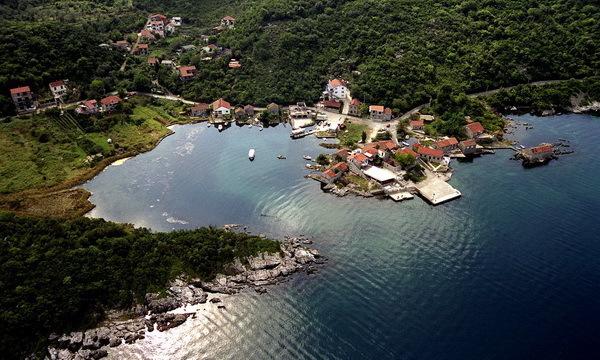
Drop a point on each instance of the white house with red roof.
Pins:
(429, 154)
(187, 72)
(474, 129)
(110, 103)
(221, 108)
(147, 36)
(354, 107)
(446, 145)
(468, 147)
(228, 22)
(58, 89)
(380, 112)
(337, 89)
(141, 49)
(23, 98)
(88, 107)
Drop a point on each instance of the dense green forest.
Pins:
(396, 52)
(61, 275)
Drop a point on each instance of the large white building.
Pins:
(336, 88)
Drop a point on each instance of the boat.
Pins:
(405, 143)
(261, 129)
(281, 157)
(249, 126)
(209, 125)
(220, 128)
(306, 157)
(251, 154)
(522, 147)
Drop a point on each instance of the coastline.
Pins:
(161, 312)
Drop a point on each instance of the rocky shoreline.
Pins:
(156, 312)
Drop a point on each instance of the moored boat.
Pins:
(220, 127)
(251, 154)
(306, 157)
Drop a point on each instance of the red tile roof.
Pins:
(110, 100)
(409, 151)
(343, 153)
(387, 111)
(427, 151)
(476, 127)
(142, 46)
(329, 173)
(341, 166)
(187, 71)
(371, 151)
(57, 83)
(417, 123)
(378, 108)
(388, 144)
(542, 149)
(336, 82)
(22, 89)
(355, 102)
(90, 104)
(331, 104)
(221, 103)
(468, 143)
(360, 158)
(446, 142)
(152, 60)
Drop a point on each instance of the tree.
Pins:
(322, 160)
(363, 136)
(405, 160)
(97, 88)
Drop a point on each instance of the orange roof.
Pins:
(336, 82)
(378, 108)
(359, 157)
(417, 123)
(542, 149)
(221, 103)
(446, 142)
(90, 104)
(229, 18)
(142, 46)
(409, 151)
(387, 111)
(469, 142)
(110, 100)
(152, 60)
(476, 127)
(187, 71)
(329, 173)
(355, 102)
(341, 166)
(22, 89)
(424, 150)
(57, 83)
(331, 104)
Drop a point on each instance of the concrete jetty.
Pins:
(436, 190)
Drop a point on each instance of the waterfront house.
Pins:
(336, 89)
(234, 64)
(249, 110)
(221, 108)
(382, 176)
(228, 22)
(474, 130)
(408, 151)
(538, 153)
(446, 145)
(152, 61)
(360, 160)
(354, 107)
(429, 154)
(468, 147)
(273, 109)
(110, 103)
(141, 49)
(379, 112)
(240, 114)
(58, 89)
(199, 110)
(23, 98)
(187, 72)
(335, 172)
(417, 124)
(330, 105)
(88, 107)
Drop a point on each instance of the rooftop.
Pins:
(22, 89)
(379, 174)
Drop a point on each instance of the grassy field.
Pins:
(352, 135)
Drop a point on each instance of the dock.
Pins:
(400, 196)
(436, 190)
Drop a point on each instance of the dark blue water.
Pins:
(508, 271)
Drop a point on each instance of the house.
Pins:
(199, 110)
(417, 124)
(426, 118)
(158, 18)
(58, 89)
(210, 48)
(468, 147)
(273, 109)
(382, 176)
(22, 97)
(234, 64)
(169, 28)
(221, 108)
(141, 49)
(228, 22)
(354, 107)
(240, 113)
(538, 153)
(337, 89)
(474, 129)
(379, 112)
(169, 63)
(152, 61)
(370, 152)
(187, 72)
(110, 103)
(342, 154)
(122, 45)
(429, 154)
(331, 105)
(357, 162)
(447, 145)
(147, 36)
(249, 110)
(88, 107)
(156, 26)
(408, 151)
(335, 172)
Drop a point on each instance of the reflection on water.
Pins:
(509, 270)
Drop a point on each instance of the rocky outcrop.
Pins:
(154, 314)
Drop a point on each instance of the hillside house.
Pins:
(336, 89)
(158, 18)
(152, 61)
(110, 103)
(141, 49)
(210, 48)
(429, 154)
(228, 22)
(199, 110)
(147, 36)
(156, 26)
(379, 112)
(221, 108)
(122, 45)
(417, 125)
(58, 89)
(88, 107)
(354, 107)
(468, 147)
(273, 109)
(447, 145)
(187, 73)
(23, 98)
(474, 130)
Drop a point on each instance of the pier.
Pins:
(436, 190)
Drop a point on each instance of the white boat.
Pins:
(306, 157)
(209, 125)
(220, 127)
(405, 143)
(251, 154)
(249, 126)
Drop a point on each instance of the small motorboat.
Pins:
(306, 157)
(281, 157)
(261, 129)
(220, 127)
(405, 143)
(249, 126)
(209, 125)
(251, 154)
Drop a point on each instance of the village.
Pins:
(394, 157)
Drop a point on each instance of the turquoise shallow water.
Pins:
(508, 271)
